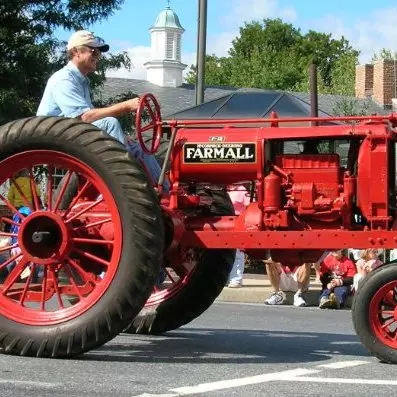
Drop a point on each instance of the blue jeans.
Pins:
(236, 274)
(341, 293)
(112, 126)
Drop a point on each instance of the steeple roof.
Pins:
(167, 19)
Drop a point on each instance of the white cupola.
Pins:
(165, 67)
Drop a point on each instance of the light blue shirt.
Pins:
(66, 94)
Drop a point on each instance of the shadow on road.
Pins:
(217, 346)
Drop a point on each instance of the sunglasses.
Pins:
(94, 51)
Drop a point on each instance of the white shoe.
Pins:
(277, 298)
(298, 300)
(235, 284)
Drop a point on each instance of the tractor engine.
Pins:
(294, 191)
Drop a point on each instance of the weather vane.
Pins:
(168, 3)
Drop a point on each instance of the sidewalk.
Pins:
(256, 288)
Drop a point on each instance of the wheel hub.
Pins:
(44, 237)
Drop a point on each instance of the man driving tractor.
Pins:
(67, 94)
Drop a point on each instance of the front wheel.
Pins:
(374, 313)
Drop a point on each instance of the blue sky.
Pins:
(368, 25)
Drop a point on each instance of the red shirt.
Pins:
(342, 267)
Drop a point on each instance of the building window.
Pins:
(170, 46)
(178, 47)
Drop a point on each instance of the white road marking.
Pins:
(343, 364)
(30, 383)
(250, 380)
(294, 375)
(345, 380)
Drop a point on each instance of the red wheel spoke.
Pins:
(14, 274)
(72, 280)
(9, 221)
(88, 225)
(4, 234)
(389, 299)
(169, 275)
(91, 241)
(388, 323)
(27, 285)
(44, 289)
(93, 257)
(148, 127)
(76, 198)
(33, 189)
(25, 200)
(86, 209)
(62, 192)
(11, 207)
(10, 259)
(55, 281)
(85, 276)
(49, 188)
(386, 312)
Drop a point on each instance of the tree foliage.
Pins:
(275, 55)
(30, 52)
(384, 53)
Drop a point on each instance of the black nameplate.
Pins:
(194, 153)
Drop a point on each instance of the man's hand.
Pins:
(132, 104)
(336, 282)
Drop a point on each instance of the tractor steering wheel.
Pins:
(148, 117)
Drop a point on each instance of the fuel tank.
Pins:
(218, 155)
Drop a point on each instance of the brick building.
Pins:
(378, 82)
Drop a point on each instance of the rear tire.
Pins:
(198, 293)
(142, 239)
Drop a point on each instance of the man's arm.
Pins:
(115, 110)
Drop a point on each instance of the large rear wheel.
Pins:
(73, 276)
(189, 288)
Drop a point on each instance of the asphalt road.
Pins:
(231, 350)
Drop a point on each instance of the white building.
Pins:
(165, 67)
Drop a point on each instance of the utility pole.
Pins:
(201, 50)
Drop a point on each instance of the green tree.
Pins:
(275, 55)
(384, 53)
(30, 53)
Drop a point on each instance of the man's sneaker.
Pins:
(298, 300)
(325, 303)
(277, 298)
(235, 284)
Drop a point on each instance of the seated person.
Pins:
(283, 279)
(336, 275)
(67, 94)
(369, 261)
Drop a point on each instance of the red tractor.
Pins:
(100, 250)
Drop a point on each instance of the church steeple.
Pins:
(165, 67)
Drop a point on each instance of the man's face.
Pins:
(86, 58)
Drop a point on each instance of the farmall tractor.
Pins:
(102, 249)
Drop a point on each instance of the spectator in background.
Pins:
(284, 278)
(240, 199)
(369, 261)
(14, 196)
(336, 274)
